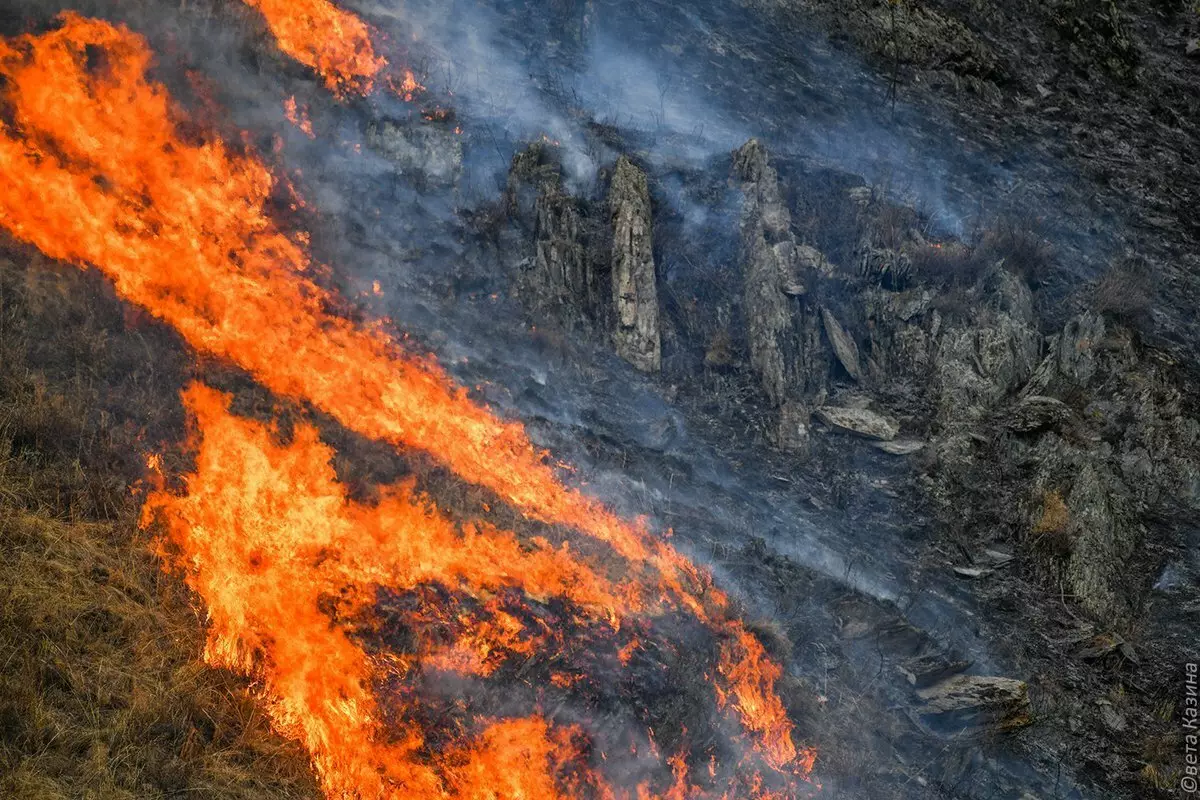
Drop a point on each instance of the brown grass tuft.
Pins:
(1055, 515)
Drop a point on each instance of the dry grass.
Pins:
(950, 265)
(102, 692)
(1125, 292)
(1055, 515)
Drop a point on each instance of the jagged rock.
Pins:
(559, 276)
(1113, 719)
(1073, 356)
(1104, 538)
(561, 260)
(844, 346)
(926, 670)
(860, 421)
(807, 262)
(903, 331)
(977, 701)
(811, 261)
(783, 334)
(532, 171)
(634, 283)
(901, 447)
(1034, 413)
(976, 365)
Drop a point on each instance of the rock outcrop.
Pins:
(1137, 450)
(859, 421)
(783, 329)
(1047, 462)
(560, 276)
(634, 280)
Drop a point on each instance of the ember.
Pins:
(298, 117)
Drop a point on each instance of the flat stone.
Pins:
(900, 447)
(859, 421)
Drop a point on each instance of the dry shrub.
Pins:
(893, 225)
(719, 354)
(1021, 244)
(1124, 292)
(948, 265)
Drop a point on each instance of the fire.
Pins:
(407, 87)
(298, 117)
(335, 43)
(265, 532)
(98, 174)
(318, 34)
(267, 538)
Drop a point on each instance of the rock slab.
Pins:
(859, 421)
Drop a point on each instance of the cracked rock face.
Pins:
(558, 276)
(634, 281)
(784, 331)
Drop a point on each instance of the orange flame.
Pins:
(407, 87)
(298, 117)
(97, 174)
(265, 532)
(331, 41)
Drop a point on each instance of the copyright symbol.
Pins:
(1188, 784)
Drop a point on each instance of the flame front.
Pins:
(265, 532)
(98, 174)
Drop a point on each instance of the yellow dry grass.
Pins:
(103, 695)
(101, 691)
(1055, 515)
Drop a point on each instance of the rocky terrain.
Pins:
(1055, 462)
